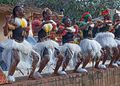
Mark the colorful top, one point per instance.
(84, 22)
(48, 28)
(20, 25)
(68, 36)
(86, 30)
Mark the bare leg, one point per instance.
(44, 60)
(80, 59)
(34, 64)
(115, 54)
(76, 67)
(87, 59)
(59, 62)
(43, 63)
(85, 62)
(65, 64)
(99, 59)
(118, 60)
(106, 53)
(97, 64)
(13, 66)
(14, 63)
(118, 56)
(68, 56)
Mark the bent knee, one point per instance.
(47, 57)
(60, 56)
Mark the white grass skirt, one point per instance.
(24, 48)
(106, 39)
(88, 45)
(50, 45)
(75, 48)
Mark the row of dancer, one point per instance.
(19, 53)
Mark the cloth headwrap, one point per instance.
(85, 16)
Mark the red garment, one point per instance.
(54, 26)
(64, 31)
(36, 23)
(76, 29)
(105, 12)
(112, 30)
(61, 27)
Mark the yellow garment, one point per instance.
(47, 27)
(81, 33)
(76, 41)
(20, 22)
(23, 23)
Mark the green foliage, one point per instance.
(73, 8)
(8, 1)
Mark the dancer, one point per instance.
(118, 57)
(91, 51)
(72, 51)
(17, 51)
(116, 18)
(109, 46)
(86, 25)
(47, 48)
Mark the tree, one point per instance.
(8, 2)
(73, 8)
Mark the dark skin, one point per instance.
(46, 58)
(118, 57)
(67, 23)
(15, 52)
(87, 59)
(5, 27)
(20, 13)
(69, 53)
(114, 56)
(46, 18)
(106, 53)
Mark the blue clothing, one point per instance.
(31, 40)
(2, 63)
